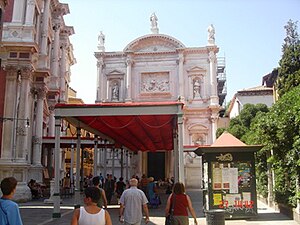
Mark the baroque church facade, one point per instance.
(159, 68)
(36, 56)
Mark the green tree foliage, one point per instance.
(289, 70)
(279, 132)
(240, 125)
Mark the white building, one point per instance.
(255, 95)
(159, 68)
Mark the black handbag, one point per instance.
(170, 218)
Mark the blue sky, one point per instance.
(249, 33)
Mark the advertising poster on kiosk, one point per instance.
(231, 186)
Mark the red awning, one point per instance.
(144, 133)
(150, 130)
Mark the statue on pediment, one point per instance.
(115, 92)
(153, 20)
(101, 41)
(211, 35)
(196, 89)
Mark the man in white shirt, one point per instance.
(132, 201)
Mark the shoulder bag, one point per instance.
(170, 217)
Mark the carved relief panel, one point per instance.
(155, 83)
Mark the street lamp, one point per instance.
(4, 119)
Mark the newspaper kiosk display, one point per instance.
(230, 180)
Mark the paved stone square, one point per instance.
(37, 213)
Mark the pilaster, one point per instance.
(180, 76)
(100, 77)
(30, 12)
(213, 78)
(214, 119)
(129, 63)
(18, 12)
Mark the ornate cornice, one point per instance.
(255, 92)
(67, 30)
(60, 9)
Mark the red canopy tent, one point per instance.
(137, 126)
(146, 126)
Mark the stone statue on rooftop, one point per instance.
(153, 20)
(101, 41)
(211, 35)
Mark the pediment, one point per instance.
(115, 73)
(198, 128)
(196, 70)
(154, 43)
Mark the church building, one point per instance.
(159, 68)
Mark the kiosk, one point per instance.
(229, 177)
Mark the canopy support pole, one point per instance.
(56, 196)
(95, 155)
(77, 184)
(180, 149)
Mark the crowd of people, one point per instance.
(134, 197)
(137, 195)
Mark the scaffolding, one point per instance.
(221, 78)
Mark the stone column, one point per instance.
(29, 12)
(51, 123)
(24, 114)
(100, 86)
(37, 144)
(214, 127)
(139, 163)
(129, 63)
(9, 112)
(45, 27)
(62, 94)
(55, 55)
(171, 163)
(213, 78)
(181, 76)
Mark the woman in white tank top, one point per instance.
(91, 214)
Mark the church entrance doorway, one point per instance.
(156, 165)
